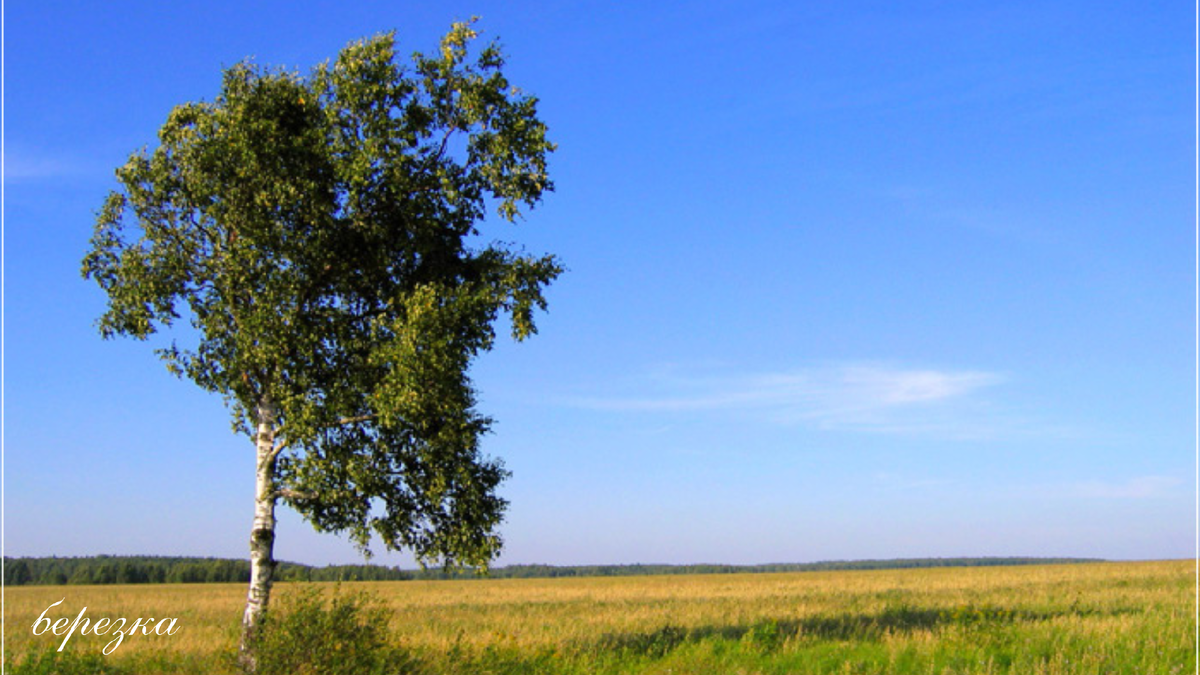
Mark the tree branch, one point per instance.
(279, 447)
(445, 141)
(294, 494)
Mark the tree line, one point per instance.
(105, 569)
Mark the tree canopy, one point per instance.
(321, 235)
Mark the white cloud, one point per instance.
(1142, 487)
(19, 168)
(900, 387)
(866, 397)
(25, 166)
(893, 481)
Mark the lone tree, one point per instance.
(320, 233)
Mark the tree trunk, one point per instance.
(262, 534)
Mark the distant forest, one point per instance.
(104, 569)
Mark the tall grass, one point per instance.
(1051, 620)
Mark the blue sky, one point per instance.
(846, 280)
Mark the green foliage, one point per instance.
(305, 635)
(50, 661)
(654, 644)
(321, 234)
(767, 635)
(157, 569)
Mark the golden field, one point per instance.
(1085, 618)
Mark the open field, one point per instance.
(1077, 619)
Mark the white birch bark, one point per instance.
(262, 533)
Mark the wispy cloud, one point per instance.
(867, 397)
(22, 168)
(1142, 487)
(22, 165)
(949, 209)
(902, 482)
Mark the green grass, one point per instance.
(1102, 618)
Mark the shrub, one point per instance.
(302, 634)
(50, 661)
(654, 644)
(765, 636)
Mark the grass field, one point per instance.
(1135, 618)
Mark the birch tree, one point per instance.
(320, 234)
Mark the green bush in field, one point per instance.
(348, 635)
(50, 661)
(766, 636)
